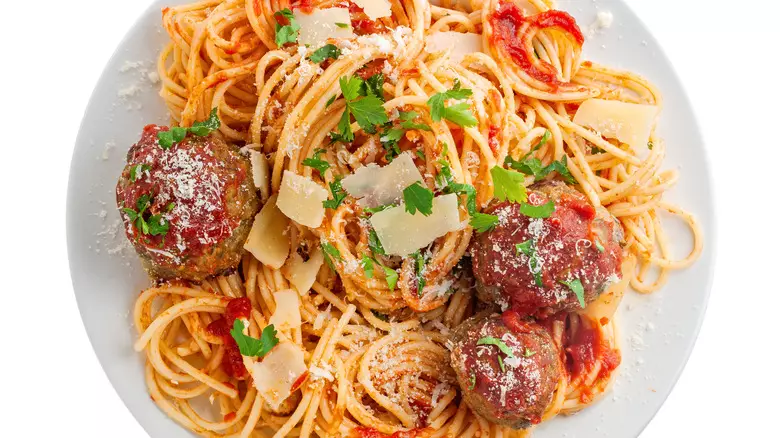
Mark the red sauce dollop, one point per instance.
(507, 21)
(585, 349)
(232, 361)
(368, 432)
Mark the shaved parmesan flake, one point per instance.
(629, 123)
(260, 174)
(300, 199)
(382, 185)
(320, 25)
(288, 312)
(303, 274)
(374, 8)
(459, 44)
(275, 375)
(402, 233)
(268, 240)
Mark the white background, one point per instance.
(53, 52)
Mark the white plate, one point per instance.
(657, 331)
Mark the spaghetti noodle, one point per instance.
(377, 353)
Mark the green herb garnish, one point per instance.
(576, 287)
(368, 266)
(460, 113)
(166, 139)
(367, 110)
(343, 25)
(287, 33)
(418, 198)
(538, 211)
(331, 253)
(250, 346)
(508, 185)
(317, 163)
(325, 52)
(339, 195)
(529, 249)
(138, 170)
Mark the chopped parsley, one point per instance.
(576, 287)
(391, 276)
(538, 211)
(317, 163)
(286, 33)
(374, 243)
(331, 253)
(330, 101)
(479, 221)
(374, 86)
(368, 266)
(472, 382)
(328, 51)
(166, 139)
(418, 198)
(489, 340)
(138, 170)
(529, 249)
(250, 346)
(528, 352)
(460, 113)
(343, 25)
(599, 246)
(533, 166)
(419, 260)
(407, 120)
(362, 104)
(508, 185)
(339, 195)
(380, 316)
(155, 225)
(483, 222)
(373, 210)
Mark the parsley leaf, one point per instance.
(138, 170)
(372, 210)
(576, 287)
(339, 195)
(533, 166)
(483, 222)
(367, 110)
(489, 340)
(330, 101)
(288, 33)
(599, 246)
(391, 276)
(459, 114)
(508, 185)
(528, 352)
(419, 260)
(374, 243)
(472, 382)
(343, 25)
(325, 52)
(368, 266)
(166, 139)
(250, 346)
(380, 316)
(538, 211)
(315, 162)
(330, 252)
(374, 86)
(418, 198)
(529, 249)
(407, 120)
(157, 225)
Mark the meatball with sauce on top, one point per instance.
(187, 209)
(542, 266)
(507, 368)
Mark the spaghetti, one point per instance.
(377, 353)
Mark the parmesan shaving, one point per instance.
(300, 199)
(320, 25)
(382, 185)
(267, 239)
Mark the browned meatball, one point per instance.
(536, 265)
(187, 209)
(507, 368)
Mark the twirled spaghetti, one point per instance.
(377, 353)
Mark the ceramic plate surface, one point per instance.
(657, 331)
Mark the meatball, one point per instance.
(188, 209)
(536, 265)
(507, 368)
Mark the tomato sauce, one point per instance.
(232, 361)
(181, 187)
(507, 21)
(372, 68)
(586, 348)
